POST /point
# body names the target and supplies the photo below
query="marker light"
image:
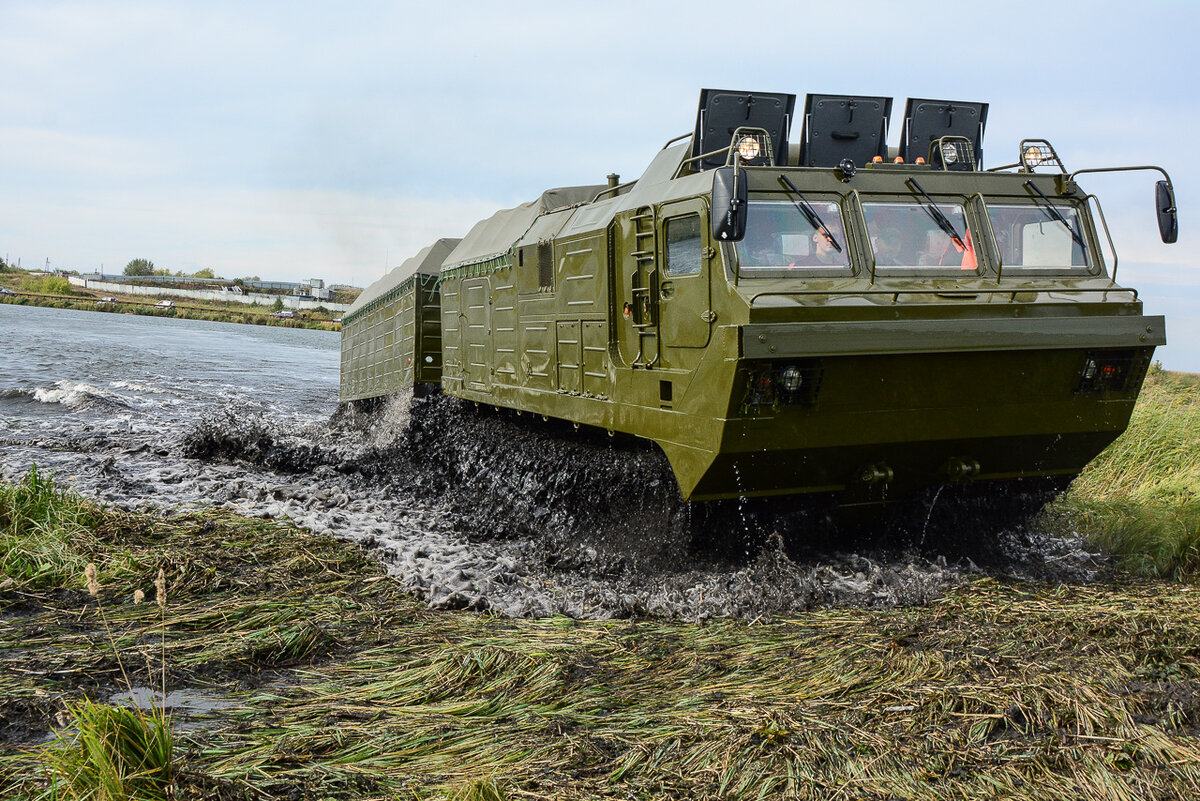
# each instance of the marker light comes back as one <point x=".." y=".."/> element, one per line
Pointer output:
<point x="790" y="378"/>
<point x="920" y="160"/>
<point x="748" y="148"/>
<point x="877" y="160"/>
<point x="898" y="160"/>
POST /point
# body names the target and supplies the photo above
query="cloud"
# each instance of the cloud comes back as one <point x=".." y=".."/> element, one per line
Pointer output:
<point x="340" y="236"/>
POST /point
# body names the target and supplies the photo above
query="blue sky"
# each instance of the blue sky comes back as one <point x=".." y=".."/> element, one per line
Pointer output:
<point x="293" y="140"/>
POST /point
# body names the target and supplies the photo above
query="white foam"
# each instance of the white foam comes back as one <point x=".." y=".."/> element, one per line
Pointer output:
<point x="136" y="387"/>
<point x="72" y="394"/>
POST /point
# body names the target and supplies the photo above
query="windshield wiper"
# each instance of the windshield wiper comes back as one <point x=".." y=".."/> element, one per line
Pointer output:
<point x="809" y="212"/>
<point x="1051" y="211"/>
<point x="941" y="219"/>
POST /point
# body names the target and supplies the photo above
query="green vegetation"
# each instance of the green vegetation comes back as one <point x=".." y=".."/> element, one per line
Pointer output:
<point x="114" y="753"/>
<point x="22" y="281"/>
<point x="214" y="311"/>
<point x="48" y="535"/>
<point x="1140" y="500"/>
<point x="344" y="295"/>
<point x="139" y="267"/>
<point x="328" y="682"/>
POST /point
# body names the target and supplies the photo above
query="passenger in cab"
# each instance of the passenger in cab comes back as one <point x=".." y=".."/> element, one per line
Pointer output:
<point x="823" y="250"/>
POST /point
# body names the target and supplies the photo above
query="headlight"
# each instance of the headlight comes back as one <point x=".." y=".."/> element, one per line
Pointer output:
<point x="949" y="153"/>
<point x="748" y="148"/>
<point x="1033" y="156"/>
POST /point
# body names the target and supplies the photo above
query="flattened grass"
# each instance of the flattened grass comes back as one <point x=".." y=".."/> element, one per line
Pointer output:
<point x="1140" y="499"/>
<point x="998" y="690"/>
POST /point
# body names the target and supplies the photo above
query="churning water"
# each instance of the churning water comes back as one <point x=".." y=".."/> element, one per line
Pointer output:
<point x="466" y="508"/>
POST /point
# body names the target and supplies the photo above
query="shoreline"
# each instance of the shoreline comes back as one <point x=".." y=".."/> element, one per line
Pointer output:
<point x="133" y="304"/>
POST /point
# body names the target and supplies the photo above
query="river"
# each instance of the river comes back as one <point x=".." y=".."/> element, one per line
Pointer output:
<point x="138" y="411"/>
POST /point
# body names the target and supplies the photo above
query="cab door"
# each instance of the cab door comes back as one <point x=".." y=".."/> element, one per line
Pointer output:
<point x="685" y="295"/>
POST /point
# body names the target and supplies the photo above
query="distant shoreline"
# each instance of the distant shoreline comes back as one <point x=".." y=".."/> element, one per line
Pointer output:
<point x="133" y="304"/>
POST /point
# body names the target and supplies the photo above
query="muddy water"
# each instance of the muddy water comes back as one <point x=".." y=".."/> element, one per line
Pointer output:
<point x="467" y="508"/>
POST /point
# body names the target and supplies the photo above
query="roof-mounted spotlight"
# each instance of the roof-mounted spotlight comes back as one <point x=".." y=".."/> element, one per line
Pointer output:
<point x="926" y="121"/>
<point x="840" y="127"/>
<point x="722" y="113"/>
<point x="1039" y="153"/>
<point x="952" y="153"/>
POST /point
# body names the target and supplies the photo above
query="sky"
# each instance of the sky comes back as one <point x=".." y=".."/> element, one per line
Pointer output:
<point x="295" y="140"/>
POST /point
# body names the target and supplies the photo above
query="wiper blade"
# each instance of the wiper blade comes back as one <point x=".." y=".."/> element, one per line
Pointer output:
<point x="941" y="219"/>
<point x="1051" y="211"/>
<point x="810" y="213"/>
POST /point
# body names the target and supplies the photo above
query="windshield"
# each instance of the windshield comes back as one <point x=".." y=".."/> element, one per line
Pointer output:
<point x="919" y="234"/>
<point x="1032" y="237"/>
<point x="781" y="236"/>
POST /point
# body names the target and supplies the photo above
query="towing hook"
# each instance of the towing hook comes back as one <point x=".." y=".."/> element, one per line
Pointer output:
<point x="876" y="474"/>
<point x="961" y="469"/>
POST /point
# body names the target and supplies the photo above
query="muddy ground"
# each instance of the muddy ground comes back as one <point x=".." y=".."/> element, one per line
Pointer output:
<point x="496" y="512"/>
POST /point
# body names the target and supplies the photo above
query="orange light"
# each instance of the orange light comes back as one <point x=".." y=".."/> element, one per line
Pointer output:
<point x="877" y="160"/>
<point x="898" y="160"/>
<point x="920" y="160"/>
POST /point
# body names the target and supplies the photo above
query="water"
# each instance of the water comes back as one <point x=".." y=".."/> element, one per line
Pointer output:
<point x="466" y="509"/>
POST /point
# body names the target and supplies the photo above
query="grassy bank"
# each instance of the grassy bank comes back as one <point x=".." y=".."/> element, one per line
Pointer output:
<point x="58" y="293"/>
<point x="309" y="675"/>
<point x="1140" y="500"/>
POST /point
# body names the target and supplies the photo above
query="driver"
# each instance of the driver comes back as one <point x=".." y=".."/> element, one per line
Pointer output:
<point x="823" y="252"/>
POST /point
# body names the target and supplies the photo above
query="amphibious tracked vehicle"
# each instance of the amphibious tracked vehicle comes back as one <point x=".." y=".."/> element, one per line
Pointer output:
<point x="830" y="315"/>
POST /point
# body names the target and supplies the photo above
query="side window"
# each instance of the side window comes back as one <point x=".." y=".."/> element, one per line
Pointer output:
<point x="1031" y="237"/>
<point x="545" y="256"/>
<point x="684" y="243"/>
<point x="535" y="268"/>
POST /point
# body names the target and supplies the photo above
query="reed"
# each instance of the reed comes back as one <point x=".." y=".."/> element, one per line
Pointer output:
<point x="1140" y="499"/>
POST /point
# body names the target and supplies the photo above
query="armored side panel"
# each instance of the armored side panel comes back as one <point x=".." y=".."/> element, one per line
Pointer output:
<point x="391" y="336"/>
<point x="501" y="289"/>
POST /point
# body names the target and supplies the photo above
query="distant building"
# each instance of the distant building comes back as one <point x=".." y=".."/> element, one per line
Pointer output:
<point x="313" y="289"/>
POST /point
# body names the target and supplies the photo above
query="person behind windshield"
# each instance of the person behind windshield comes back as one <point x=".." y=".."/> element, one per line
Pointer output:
<point x="888" y="247"/>
<point x="823" y="252"/>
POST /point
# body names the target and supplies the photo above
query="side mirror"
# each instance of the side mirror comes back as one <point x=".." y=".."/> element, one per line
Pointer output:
<point x="1164" y="206"/>
<point x="729" y="204"/>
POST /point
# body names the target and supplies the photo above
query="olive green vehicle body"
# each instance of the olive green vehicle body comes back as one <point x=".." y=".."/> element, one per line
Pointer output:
<point x="911" y="379"/>
<point x="393" y="340"/>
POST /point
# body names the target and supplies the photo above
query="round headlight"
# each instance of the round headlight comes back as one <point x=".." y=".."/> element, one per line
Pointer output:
<point x="1033" y="156"/>
<point x="949" y="153"/>
<point x="748" y="147"/>
<point x="790" y="378"/>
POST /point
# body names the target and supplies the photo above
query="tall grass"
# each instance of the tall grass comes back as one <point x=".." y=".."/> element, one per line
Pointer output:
<point x="116" y="754"/>
<point x="1140" y="499"/>
<point x="48" y="535"/>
